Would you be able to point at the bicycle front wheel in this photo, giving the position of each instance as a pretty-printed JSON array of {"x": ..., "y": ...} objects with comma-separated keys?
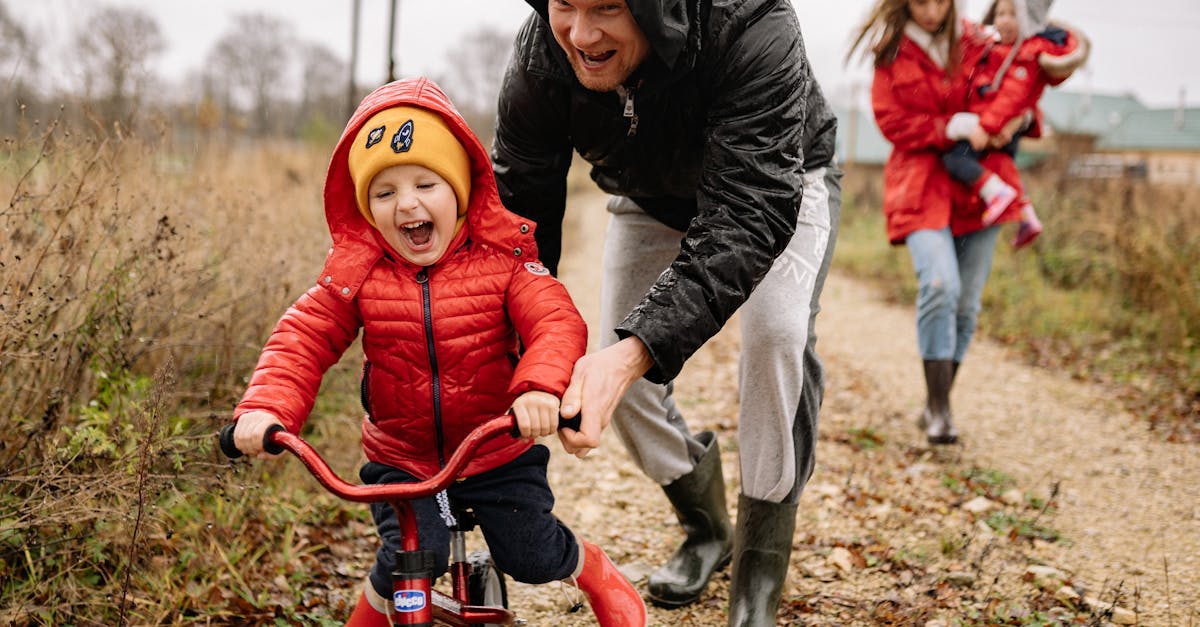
[{"x": 485, "y": 585}]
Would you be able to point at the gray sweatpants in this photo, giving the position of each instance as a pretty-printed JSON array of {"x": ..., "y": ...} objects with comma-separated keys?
[{"x": 781, "y": 382}]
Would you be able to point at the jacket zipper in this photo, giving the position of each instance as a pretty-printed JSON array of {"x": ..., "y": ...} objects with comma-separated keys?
[
  {"x": 427, "y": 311},
  {"x": 627, "y": 94}
]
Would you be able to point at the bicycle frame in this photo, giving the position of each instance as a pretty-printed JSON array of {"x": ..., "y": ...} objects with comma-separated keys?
[{"x": 414, "y": 601}]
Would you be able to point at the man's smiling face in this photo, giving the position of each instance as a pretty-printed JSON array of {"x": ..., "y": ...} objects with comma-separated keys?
[{"x": 601, "y": 38}]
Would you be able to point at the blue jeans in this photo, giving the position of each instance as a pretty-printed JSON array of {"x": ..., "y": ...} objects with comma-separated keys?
[{"x": 951, "y": 272}]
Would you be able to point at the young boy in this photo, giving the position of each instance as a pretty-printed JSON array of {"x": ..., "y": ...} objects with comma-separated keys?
[
  {"x": 1027, "y": 55},
  {"x": 445, "y": 283}
]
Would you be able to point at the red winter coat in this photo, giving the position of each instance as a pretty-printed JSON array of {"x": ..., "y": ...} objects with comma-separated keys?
[
  {"x": 440, "y": 342},
  {"x": 913, "y": 99}
]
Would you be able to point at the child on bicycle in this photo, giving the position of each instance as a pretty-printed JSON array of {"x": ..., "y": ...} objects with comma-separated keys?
[
  {"x": 1026, "y": 55},
  {"x": 460, "y": 324}
]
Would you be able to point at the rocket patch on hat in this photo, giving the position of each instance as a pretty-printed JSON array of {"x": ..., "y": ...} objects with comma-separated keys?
[{"x": 403, "y": 139}]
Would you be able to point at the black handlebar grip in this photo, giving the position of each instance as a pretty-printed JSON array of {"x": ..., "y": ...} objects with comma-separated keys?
[
  {"x": 231, "y": 450},
  {"x": 570, "y": 423},
  {"x": 269, "y": 444},
  {"x": 225, "y": 437}
]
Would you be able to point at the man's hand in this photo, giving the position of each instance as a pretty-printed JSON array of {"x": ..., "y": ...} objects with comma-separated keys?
[
  {"x": 249, "y": 431},
  {"x": 597, "y": 385},
  {"x": 537, "y": 413}
]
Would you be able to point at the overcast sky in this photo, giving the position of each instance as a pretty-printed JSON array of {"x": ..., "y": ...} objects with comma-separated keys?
[{"x": 1149, "y": 48}]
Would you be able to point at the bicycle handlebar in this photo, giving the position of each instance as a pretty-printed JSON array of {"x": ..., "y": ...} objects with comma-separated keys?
[{"x": 277, "y": 439}]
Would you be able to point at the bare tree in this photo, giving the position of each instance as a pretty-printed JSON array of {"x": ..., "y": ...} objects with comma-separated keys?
[
  {"x": 253, "y": 59},
  {"x": 115, "y": 46},
  {"x": 322, "y": 76},
  {"x": 18, "y": 58},
  {"x": 477, "y": 66},
  {"x": 17, "y": 53}
]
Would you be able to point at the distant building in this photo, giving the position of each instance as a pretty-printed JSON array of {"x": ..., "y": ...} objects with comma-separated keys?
[
  {"x": 1073, "y": 124},
  {"x": 1081, "y": 117},
  {"x": 859, "y": 141},
  {"x": 1164, "y": 142}
]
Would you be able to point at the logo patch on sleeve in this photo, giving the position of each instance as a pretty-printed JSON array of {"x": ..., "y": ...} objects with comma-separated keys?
[
  {"x": 536, "y": 268},
  {"x": 375, "y": 136},
  {"x": 403, "y": 139}
]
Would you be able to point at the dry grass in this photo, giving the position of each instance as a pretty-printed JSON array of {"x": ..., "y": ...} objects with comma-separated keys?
[
  {"x": 124, "y": 258},
  {"x": 120, "y": 255},
  {"x": 1136, "y": 248}
]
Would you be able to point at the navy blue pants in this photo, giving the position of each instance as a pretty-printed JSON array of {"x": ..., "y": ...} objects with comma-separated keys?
[{"x": 512, "y": 505}]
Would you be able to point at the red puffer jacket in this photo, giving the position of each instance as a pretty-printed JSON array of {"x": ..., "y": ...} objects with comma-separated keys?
[
  {"x": 441, "y": 342},
  {"x": 1023, "y": 82},
  {"x": 913, "y": 99}
]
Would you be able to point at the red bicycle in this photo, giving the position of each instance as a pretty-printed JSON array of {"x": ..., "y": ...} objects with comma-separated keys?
[{"x": 479, "y": 597}]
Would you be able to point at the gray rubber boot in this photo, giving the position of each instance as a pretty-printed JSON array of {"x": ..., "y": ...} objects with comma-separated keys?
[
  {"x": 762, "y": 546},
  {"x": 936, "y": 421},
  {"x": 699, "y": 501}
]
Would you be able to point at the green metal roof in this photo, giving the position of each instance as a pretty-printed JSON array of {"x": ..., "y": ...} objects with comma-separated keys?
[
  {"x": 1087, "y": 113},
  {"x": 1155, "y": 129}
]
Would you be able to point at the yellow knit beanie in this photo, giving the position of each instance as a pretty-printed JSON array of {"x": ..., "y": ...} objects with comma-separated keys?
[{"x": 408, "y": 135}]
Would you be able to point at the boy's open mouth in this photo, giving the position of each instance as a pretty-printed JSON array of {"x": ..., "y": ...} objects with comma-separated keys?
[{"x": 417, "y": 233}]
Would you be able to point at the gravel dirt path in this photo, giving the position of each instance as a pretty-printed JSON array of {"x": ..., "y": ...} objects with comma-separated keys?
[{"x": 1057, "y": 507}]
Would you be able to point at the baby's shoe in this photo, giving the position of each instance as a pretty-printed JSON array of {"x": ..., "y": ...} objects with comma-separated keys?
[
  {"x": 998, "y": 195},
  {"x": 1029, "y": 228}
]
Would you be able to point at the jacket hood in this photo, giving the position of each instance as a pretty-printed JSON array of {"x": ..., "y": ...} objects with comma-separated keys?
[
  {"x": 360, "y": 244},
  {"x": 665, "y": 23}
]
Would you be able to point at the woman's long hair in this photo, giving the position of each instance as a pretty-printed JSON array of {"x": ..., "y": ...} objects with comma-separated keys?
[{"x": 884, "y": 30}]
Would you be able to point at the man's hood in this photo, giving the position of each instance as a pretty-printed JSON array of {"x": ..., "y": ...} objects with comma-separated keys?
[{"x": 664, "y": 22}]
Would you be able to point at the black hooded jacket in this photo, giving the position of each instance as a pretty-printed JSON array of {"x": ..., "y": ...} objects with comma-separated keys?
[{"x": 726, "y": 115}]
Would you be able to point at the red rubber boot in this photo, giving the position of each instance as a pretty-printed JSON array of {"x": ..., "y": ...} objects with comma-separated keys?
[
  {"x": 614, "y": 601},
  {"x": 364, "y": 615}
]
